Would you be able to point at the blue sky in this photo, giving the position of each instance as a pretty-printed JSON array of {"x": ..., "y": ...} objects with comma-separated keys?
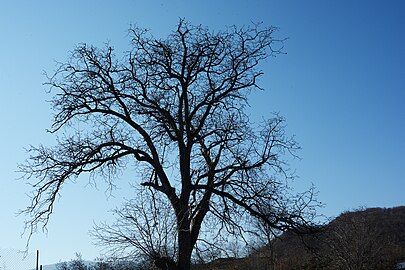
[{"x": 341, "y": 87}]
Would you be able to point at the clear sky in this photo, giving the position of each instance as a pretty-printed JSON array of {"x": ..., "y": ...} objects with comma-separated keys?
[{"x": 341, "y": 87}]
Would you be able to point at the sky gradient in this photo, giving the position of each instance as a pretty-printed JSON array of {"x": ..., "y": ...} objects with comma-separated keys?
[{"x": 340, "y": 85}]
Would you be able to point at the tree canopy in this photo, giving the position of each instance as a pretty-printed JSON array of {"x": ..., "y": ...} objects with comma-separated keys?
[{"x": 176, "y": 108}]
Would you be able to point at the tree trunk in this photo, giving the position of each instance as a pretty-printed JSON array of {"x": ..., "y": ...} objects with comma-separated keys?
[
  {"x": 184, "y": 257},
  {"x": 185, "y": 245}
]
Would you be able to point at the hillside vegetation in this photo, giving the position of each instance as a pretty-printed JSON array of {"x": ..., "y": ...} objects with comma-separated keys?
[{"x": 371, "y": 238}]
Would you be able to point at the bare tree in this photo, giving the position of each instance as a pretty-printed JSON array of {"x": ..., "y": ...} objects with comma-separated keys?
[
  {"x": 175, "y": 107},
  {"x": 145, "y": 229},
  {"x": 75, "y": 264}
]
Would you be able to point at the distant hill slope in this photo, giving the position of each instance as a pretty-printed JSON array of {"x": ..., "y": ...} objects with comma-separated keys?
[
  {"x": 390, "y": 221},
  {"x": 371, "y": 238}
]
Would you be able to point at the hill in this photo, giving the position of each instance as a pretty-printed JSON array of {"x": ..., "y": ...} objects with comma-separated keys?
[
  {"x": 371, "y": 238},
  {"x": 366, "y": 239}
]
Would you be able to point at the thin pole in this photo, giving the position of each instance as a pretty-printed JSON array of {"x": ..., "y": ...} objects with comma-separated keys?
[{"x": 37, "y": 259}]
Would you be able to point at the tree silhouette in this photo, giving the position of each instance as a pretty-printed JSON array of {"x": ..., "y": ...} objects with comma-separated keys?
[
  {"x": 176, "y": 108},
  {"x": 145, "y": 229},
  {"x": 75, "y": 264}
]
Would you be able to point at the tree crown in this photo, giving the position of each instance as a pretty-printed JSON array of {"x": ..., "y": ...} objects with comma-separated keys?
[{"x": 175, "y": 106}]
